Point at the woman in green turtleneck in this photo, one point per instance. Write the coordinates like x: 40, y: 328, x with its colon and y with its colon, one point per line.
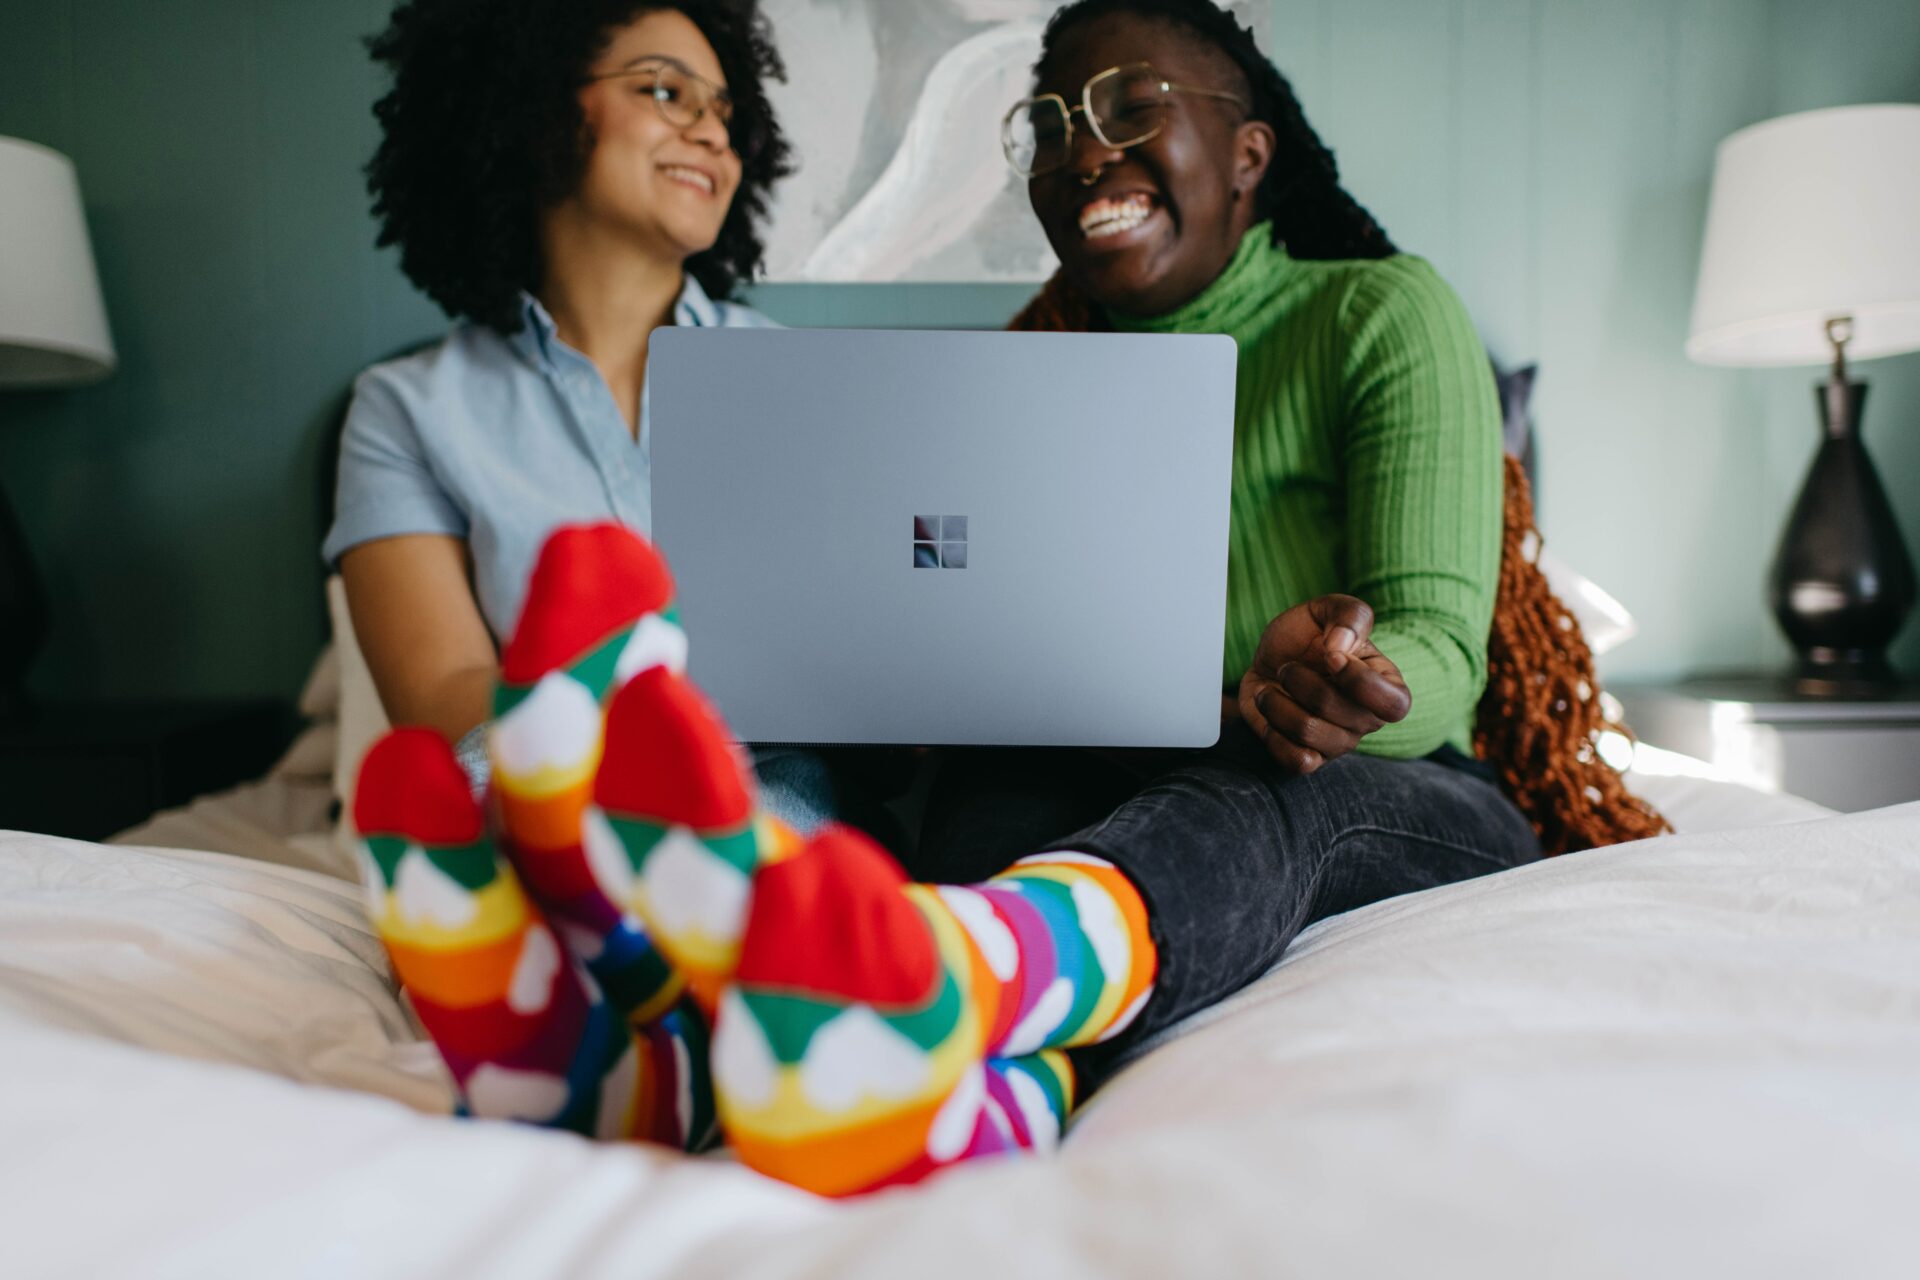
x: 1366, y: 513
x: 1367, y: 449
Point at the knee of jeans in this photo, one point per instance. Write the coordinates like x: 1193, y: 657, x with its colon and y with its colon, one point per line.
x: 1423, y: 800
x: 1522, y: 843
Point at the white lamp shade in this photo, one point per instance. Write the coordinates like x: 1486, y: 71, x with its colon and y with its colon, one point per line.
x: 53, y: 326
x: 1812, y: 216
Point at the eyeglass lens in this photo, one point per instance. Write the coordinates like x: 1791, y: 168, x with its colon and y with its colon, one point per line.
x: 684, y: 99
x: 1125, y: 110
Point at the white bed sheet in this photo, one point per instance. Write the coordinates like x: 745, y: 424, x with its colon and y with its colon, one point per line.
x: 1693, y: 1056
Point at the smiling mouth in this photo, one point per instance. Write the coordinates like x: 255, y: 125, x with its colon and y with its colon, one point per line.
x: 691, y: 177
x: 1112, y: 215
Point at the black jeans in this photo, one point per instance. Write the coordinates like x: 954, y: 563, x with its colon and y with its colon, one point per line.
x: 1232, y: 857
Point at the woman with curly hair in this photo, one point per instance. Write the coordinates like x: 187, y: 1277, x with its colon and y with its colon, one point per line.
x: 562, y: 180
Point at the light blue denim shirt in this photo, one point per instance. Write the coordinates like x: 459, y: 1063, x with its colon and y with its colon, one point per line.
x: 498, y: 440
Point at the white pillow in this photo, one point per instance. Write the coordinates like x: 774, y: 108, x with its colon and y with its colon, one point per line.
x: 362, y: 717
x: 208, y: 956
x: 1603, y: 620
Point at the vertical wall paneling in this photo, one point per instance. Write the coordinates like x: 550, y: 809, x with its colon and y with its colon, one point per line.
x: 1492, y: 162
x: 1303, y: 50
x: 1718, y: 85
x: 1387, y: 113
x: 1632, y: 479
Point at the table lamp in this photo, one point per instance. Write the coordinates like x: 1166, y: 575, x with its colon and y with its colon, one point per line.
x: 53, y: 333
x: 1812, y: 256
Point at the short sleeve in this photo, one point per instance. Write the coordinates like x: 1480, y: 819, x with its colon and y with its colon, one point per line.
x: 387, y: 486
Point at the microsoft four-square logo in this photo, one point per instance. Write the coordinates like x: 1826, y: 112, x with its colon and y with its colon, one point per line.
x: 939, y: 542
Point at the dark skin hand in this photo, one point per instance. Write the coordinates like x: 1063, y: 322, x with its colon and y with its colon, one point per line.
x: 1318, y: 685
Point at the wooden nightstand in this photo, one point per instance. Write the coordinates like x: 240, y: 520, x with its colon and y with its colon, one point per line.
x: 1847, y: 754
x: 88, y: 770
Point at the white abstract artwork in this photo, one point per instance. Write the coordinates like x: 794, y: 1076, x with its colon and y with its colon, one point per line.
x: 893, y: 108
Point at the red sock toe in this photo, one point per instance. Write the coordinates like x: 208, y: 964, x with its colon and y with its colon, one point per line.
x: 832, y: 921
x: 669, y: 759
x: 411, y: 785
x: 590, y: 581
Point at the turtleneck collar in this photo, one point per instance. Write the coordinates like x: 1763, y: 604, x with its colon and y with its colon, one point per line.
x: 1255, y: 271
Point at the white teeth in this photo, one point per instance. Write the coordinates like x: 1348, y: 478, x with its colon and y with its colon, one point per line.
x: 1114, y: 226
x: 1111, y: 217
x: 694, y: 176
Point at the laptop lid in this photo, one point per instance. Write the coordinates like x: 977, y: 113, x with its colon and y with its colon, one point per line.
x: 910, y: 536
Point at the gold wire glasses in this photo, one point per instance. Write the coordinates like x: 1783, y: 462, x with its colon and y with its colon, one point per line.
x: 682, y: 96
x: 1123, y: 106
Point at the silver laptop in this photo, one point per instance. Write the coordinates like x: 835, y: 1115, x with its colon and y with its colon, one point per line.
x: 1014, y: 539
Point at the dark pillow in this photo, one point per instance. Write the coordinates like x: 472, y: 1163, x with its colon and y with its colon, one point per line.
x: 1516, y: 411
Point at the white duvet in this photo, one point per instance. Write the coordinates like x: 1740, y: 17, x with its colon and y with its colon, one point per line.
x: 1696, y: 1056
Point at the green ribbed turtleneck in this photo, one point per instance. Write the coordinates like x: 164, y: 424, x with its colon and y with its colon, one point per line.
x: 1366, y: 460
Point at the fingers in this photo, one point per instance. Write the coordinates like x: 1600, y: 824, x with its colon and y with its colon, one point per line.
x: 1311, y: 740
x: 1306, y: 718
x: 1361, y: 695
x: 1323, y: 697
x: 1345, y: 623
x: 1318, y: 684
x: 1266, y: 710
x: 1291, y: 756
x: 1376, y: 682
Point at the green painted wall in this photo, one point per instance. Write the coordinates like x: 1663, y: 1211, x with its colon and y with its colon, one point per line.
x: 1551, y: 157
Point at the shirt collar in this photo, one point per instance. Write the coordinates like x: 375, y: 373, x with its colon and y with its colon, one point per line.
x: 535, y: 338
x: 537, y: 334
x: 695, y: 308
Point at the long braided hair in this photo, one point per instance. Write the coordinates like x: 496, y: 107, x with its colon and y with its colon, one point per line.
x: 1540, y: 719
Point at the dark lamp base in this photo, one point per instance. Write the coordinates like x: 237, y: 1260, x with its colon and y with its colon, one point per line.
x: 1844, y: 673
x: 1842, y: 582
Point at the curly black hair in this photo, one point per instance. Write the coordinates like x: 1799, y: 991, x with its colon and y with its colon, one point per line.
x: 482, y: 130
x: 1312, y: 213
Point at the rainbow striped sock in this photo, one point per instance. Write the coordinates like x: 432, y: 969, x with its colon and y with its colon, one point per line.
x: 877, y: 1030
x: 523, y: 1029
x: 673, y: 832
x: 598, y: 612
x: 1066, y: 936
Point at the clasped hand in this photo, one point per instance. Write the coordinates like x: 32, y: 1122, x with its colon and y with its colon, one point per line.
x: 1318, y: 685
